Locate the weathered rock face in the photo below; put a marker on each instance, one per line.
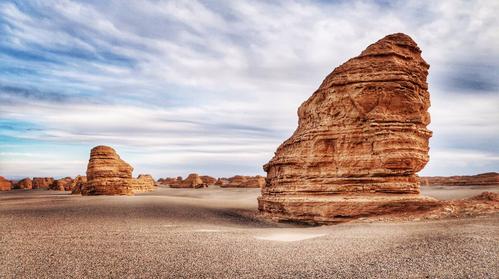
(42, 182)
(25, 183)
(208, 180)
(192, 181)
(5, 185)
(107, 173)
(63, 184)
(144, 183)
(78, 184)
(240, 181)
(489, 178)
(360, 141)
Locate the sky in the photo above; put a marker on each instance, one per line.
(213, 86)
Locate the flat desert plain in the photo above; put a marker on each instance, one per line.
(215, 233)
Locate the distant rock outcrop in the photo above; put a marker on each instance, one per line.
(78, 184)
(192, 181)
(489, 178)
(222, 181)
(107, 173)
(42, 182)
(169, 181)
(63, 184)
(360, 141)
(25, 183)
(208, 180)
(144, 183)
(241, 181)
(5, 185)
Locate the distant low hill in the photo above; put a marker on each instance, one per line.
(489, 178)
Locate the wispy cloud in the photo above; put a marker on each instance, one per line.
(213, 87)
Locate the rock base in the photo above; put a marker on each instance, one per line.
(340, 208)
(109, 186)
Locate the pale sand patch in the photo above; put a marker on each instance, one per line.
(208, 230)
(289, 236)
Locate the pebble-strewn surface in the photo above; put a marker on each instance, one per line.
(212, 233)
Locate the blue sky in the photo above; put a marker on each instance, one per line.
(213, 86)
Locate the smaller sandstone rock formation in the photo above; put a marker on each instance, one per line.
(25, 183)
(5, 185)
(42, 182)
(489, 178)
(78, 184)
(144, 183)
(240, 181)
(107, 173)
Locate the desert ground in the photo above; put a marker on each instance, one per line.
(214, 233)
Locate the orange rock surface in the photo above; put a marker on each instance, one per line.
(360, 141)
(489, 178)
(107, 173)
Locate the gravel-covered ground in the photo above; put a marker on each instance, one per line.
(212, 233)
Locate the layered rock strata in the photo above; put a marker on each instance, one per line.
(360, 141)
(107, 173)
(489, 178)
(5, 185)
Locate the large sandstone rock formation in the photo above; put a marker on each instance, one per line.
(5, 185)
(42, 182)
(489, 178)
(144, 183)
(25, 183)
(107, 173)
(240, 181)
(360, 141)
